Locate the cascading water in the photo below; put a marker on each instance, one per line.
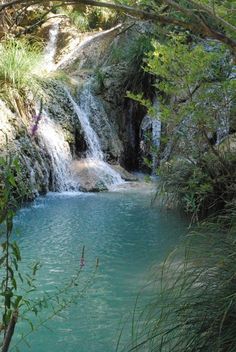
(51, 135)
(154, 125)
(95, 159)
(156, 140)
(52, 139)
(51, 48)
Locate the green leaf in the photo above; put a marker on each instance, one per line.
(16, 251)
(12, 180)
(2, 259)
(14, 284)
(17, 301)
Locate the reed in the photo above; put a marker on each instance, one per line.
(193, 307)
(18, 60)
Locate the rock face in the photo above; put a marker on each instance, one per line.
(39, 164)
(87, 173)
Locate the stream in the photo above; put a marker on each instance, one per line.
(120, 228)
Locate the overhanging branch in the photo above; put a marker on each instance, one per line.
(198, 25)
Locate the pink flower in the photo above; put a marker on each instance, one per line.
(34, 127)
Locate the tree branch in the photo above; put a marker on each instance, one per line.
(9, 332)
(199, 26)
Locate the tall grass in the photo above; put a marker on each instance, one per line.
(17, 62)
(194, 301)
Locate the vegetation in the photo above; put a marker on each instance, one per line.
(196, 95)
(89, 19)
(11, 300)
(193, 308)
(18, 60)
(132, 53)
(210, 19)
(193, 305)
(193, 66)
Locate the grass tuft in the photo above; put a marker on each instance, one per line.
(17, 62)
(193, 307)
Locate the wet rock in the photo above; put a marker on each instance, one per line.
(127, 176)
(89, 176)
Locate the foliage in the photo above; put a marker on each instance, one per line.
(193, 305)
(17, 62)
(77, 18)
(195, 77)
(192, 80)
(11, 299)
(100, 18)
(201, 187)
(196, 92)
(88, 19)
(134, 52)
(211, 19)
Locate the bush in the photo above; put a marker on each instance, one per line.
(17, 62)
(91, 18)
(78, 19)
(101, 18)
(199, 187)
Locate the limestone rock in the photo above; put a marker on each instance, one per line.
(89, 176)
(127, 176)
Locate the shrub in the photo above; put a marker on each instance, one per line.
(17, 62)
(199, 187)
(78, 19)
(100, 18)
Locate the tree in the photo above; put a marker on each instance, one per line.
(212, 19)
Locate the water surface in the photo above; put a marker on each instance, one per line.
(128, 236)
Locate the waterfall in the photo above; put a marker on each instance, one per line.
(94, 148)
(48, 63)
(51, 135)
(152, 124)
(95, 159)
(52, 139)
(156, 141)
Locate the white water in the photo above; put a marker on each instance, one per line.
(50, 134)
(52, 139)
(95, 158)
(94, 148)
(156, 140)
(153, 124)
(48, 63)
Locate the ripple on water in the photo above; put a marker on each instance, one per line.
(128, 236)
